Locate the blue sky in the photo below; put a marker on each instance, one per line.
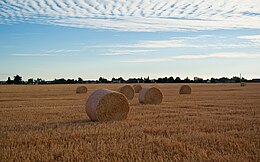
(135, 38)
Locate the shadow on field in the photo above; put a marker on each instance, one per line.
(66, 124)
(50, 126)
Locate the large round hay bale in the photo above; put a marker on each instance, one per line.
(242, 84)
(128, 91)
(105, 105)
(137, 88)
(185, 89)
(150, 96)
(81, 89)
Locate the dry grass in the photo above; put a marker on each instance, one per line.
(217, 122)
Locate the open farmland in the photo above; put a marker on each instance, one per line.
(49, 123)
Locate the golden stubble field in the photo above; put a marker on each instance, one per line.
(218, 122)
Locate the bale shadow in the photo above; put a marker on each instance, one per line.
(228, 90)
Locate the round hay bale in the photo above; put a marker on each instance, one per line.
(106, 105)
(137, 88)
(128, 91)
(81, 89)
(242, 84)
(185, 89)
(150, 96)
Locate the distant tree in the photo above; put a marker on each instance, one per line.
(140, 80)
(59, 81)
(30, 81)
(38, 80)
(121, 80)
(212, 80)
(165, 80)
(80, 80)
(177, 80)
(17, 79)
(236, 79)
(159, 80)
(71, 81)
(171, 80)
(9, 81)
(186, 80)
(102, 80)
(198, 80)
(243, 79)
(223, 80)
(147, 80)
(113, 80)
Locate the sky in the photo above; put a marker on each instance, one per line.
(129, 38)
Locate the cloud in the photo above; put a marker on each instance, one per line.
(227, 55)
(250, 37)
(62, 51)
(255, 39)
(154, 44)
(56, 52)
(30, 54)
(218, 55)
(177, 42)
(126, 52)
(151, 44)
(162, 44)
(135, 15)
(149, 60)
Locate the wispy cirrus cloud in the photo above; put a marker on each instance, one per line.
(135, 15)
(151, 44)
(162, 44)
(126, 52)
(255, 39)
(144, 46)
(57, 52)
(218, 55)
(149, 60)
(62, 51)
(227, 55)
(30, 54)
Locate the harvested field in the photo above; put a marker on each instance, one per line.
(217, 122)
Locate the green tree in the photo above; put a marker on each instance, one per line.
(102, 80)
(186, 80)
(9, 81)
(80, 80)
(212, 80)
(171, 80)
(30, 81)
(178, 80)
(147, 80)
(17, 79)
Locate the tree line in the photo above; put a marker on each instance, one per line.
(17, 79)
